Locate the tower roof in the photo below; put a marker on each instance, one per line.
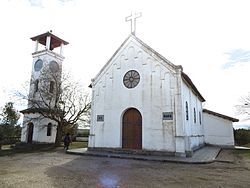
(55, 41)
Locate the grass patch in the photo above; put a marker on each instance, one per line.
(7, 150)
(75, 145)
(247, 145)
(243, 153)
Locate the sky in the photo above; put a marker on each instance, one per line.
(209, 38)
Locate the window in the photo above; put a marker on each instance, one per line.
(200, 117)
(38, 65)
(186, 110)
(36, 85)
(51, 86)
(194, 116)
(54, 67)
(49, 128)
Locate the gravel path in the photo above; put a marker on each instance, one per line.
(57, 169)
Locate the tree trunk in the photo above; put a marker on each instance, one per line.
(58, 134)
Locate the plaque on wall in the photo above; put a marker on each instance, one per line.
(100, 117)
(167, 115)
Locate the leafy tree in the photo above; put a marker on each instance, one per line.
(59, 98)
(10, 114)
(10, 117)
(242, 136)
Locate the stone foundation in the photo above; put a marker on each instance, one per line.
(131, 151)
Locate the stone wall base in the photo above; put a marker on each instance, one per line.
(132, 151)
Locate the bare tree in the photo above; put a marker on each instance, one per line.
(57, 97)
(244, 106)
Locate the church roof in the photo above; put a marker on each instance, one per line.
(189, 81)
(183, 75)
(158, 56)
(220, 115)
(155, 53)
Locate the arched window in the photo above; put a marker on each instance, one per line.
(200, 117)
(51, 86)
(186, 110)
(194, 116)
(36, 85)
(49, 128)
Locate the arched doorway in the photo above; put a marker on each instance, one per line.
(30, 132)
(132, 129)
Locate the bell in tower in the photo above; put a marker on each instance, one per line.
(44, 84)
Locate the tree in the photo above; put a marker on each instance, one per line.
(59, 98)
(244, 107)
(242, 136)
(10, 114)
(9, 123)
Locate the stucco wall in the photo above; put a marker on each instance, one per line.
(43, 76)
(153, 95)
(40, 128)
(194, 131)
(218, 131)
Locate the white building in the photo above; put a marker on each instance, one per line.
(141, 100)
(46, 63)
(218, 128)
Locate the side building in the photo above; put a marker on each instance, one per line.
(218, 129)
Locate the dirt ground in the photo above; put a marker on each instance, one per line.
(57, 169)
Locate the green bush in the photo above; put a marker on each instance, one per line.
(242, 136)
(83, 133)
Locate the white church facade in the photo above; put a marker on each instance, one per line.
(140, 100)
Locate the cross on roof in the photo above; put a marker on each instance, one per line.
(132, 18)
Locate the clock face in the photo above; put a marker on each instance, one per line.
(38, 65)
(131, 79)
(54, 67)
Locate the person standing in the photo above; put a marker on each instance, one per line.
(67, 141)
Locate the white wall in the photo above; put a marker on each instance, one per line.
(44, 76)
(40, 128)
(218, 131)
(194, 131)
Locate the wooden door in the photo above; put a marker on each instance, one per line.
(132, 129)
(30, 132)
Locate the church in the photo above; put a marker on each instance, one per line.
(142, 101)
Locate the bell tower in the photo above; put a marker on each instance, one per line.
(44, 84)
(46, 66)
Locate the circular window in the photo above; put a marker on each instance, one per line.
(131, 79)
(54, 67)
(38, 65)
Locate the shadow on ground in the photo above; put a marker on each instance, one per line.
(86, 171)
